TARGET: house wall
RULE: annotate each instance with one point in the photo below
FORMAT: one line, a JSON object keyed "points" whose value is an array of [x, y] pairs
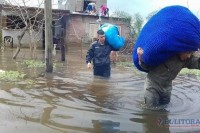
{"points": [[25, 40], [37, 35], [81, 28]]}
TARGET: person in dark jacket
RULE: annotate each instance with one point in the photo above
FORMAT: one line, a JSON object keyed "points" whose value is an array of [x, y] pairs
{"points": [[99, 54], [158, 83]]}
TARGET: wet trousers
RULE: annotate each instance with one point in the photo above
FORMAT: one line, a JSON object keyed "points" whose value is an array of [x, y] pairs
{"points": [[152, 98], [103, 71], [156, 94]]}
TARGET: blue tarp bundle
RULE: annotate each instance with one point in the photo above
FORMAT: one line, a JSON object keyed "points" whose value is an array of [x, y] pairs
{"points": [[172, 30], [112, 35]]}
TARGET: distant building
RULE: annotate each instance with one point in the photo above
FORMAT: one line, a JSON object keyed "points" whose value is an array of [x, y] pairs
{"points": [[72, 27], [78, 5]]}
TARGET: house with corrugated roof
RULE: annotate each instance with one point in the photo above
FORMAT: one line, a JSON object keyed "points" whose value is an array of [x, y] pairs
{"points": [[71, 25]]}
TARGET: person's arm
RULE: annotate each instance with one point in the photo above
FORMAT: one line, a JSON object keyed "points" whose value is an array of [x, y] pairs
{"points": [[193, 63], [89, 56]]}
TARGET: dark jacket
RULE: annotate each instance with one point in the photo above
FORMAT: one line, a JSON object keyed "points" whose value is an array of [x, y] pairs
{"points": [[160, 77], [99, 54]]}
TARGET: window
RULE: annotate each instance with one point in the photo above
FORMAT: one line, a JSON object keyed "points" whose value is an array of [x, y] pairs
{"points": [[15, 22], [86, 2]]}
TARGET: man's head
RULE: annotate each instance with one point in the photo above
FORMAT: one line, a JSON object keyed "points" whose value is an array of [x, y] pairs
{"points": [[101, 36], [185, 55]]}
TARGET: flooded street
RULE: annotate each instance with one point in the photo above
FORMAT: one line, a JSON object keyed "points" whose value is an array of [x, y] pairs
{"points": [[71, 100]]}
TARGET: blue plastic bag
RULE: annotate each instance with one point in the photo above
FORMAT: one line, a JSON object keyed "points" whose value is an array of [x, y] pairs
{"points": [[112, 35]]}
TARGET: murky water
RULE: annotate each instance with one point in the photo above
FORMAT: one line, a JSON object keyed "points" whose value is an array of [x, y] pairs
{"points": [[71, 100]]}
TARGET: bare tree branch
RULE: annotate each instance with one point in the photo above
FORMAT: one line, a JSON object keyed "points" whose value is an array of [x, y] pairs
{"points": [[25, 18]]}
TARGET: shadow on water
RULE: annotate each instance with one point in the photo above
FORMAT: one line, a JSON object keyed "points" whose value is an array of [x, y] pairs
{"points": [[72, 100]]}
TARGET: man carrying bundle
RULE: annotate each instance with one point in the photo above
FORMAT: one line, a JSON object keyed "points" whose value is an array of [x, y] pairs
{"points": [[158, 83], [99, 53], [166, 45]]}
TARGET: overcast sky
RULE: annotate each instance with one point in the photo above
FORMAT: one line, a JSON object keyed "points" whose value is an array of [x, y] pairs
{"points": [[144, 7]]}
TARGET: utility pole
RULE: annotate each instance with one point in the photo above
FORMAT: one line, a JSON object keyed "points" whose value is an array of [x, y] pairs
{"points": [[48, 36]]}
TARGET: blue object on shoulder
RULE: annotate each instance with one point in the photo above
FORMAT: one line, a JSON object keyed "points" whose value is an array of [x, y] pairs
{"points": [[112, 35], [172, 30]]}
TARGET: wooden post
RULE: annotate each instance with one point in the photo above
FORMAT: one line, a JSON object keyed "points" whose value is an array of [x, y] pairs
{"points": [[62, 49], [48, 36]]}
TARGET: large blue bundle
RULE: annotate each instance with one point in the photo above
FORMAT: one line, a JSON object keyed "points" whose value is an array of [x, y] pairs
{"points": [[112, 35], [172, 30]]}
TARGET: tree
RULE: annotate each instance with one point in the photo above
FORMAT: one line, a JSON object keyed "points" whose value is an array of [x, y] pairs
{"points": [[137, 24], [126, 19], [26, 20], [134, 23]]}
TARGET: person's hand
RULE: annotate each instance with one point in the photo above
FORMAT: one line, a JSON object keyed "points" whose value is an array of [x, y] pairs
{"points": [[140, 53], [89, 65]]}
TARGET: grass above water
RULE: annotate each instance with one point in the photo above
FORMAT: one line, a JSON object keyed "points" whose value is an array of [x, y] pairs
{"points": [[11, 75], [184, 71], [16, 76]]}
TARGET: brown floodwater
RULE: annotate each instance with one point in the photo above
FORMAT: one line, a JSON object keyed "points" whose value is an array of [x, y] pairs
{"points": [[71, 100]]}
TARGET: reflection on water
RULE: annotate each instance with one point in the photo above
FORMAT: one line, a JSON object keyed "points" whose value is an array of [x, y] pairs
{"points": [[72, 100]]}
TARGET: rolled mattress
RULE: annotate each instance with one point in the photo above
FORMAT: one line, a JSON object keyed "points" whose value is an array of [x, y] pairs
{"points": [[172, 30]]}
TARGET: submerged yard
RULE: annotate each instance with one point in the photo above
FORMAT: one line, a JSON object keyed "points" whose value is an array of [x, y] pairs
{"points": [[71, 100]]}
